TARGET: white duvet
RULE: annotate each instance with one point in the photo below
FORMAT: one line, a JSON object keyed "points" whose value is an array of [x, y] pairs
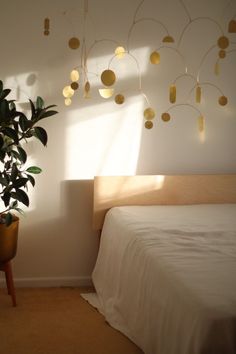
{"points": [[166, 277]]}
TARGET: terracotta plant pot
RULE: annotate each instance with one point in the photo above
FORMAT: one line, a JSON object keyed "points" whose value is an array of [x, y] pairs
{"points": [[8, 240]]}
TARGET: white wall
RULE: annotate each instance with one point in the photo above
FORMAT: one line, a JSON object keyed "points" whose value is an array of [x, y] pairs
{"points": [[93, 137]]}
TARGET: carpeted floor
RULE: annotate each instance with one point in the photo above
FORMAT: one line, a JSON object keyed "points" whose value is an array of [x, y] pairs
{"points": [[56, 320]]}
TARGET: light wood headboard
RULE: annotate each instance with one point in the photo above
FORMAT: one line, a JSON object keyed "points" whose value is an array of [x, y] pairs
{"points": [[160, 190]]}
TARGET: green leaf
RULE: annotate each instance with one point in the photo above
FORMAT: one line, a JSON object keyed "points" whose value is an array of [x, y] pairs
{"points": [[3, 181], [22, 153], [21, 196], [8, 219], [20, 182], [31, 179], [34, 169], [41, 134], [24, 122], [14, 172], [46, 114], [4, 93], [15, 154], [32, 108], [39, 103], [12, 134], [6, 198], [4, 109], [1, 142], [51, 106]]}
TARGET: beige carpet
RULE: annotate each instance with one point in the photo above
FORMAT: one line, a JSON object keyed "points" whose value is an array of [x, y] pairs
{"points": [[57, 320]]}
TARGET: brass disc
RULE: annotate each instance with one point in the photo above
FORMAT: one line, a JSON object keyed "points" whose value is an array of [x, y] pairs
{"points": [[223, 100], [87, 86], [74, 75], [232, 26], [108, 77], [165, 117], [172, 93], [106, 92], [74, 43], [223, 42], [120, 52], [149, 113], [148, 124], [168, 39], [68, 101], [155, 58], [222, 54], [68, 92], [119, 99], [74, 85], [46, 32]]}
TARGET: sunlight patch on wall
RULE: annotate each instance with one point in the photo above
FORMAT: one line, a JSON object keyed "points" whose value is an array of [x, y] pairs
{"points": [[99, 143]]}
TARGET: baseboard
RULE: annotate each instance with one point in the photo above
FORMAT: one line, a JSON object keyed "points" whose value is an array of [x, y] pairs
{"points": [[49, 282]]}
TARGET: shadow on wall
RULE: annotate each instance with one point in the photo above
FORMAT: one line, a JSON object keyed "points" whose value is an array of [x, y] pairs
{"points": [[60, 250]]}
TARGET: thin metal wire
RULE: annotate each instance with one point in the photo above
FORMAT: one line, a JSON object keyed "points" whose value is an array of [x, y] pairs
{"points": [[186, 75], [197, 19], [141, 20], [203, 59], [186, 10], [183, 104]]}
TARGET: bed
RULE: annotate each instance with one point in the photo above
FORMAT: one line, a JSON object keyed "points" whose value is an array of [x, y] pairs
{"points": [[166, 268]]}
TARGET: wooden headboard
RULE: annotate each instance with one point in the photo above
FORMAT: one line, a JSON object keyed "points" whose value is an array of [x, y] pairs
{"points": [[160, 190]]}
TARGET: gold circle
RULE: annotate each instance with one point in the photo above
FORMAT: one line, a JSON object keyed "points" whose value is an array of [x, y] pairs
{"points": [[119, 99], [74, 85], [68, 92], [168, 39], [155, 58], [223, 42], [149, 113], [120, 52], [148, 124], [106, 92], [108, 77], [222, 54], [68, 101], [46, 32], [74, 75], [232, 26], [165, 117], [74, 43], [223, 100]]}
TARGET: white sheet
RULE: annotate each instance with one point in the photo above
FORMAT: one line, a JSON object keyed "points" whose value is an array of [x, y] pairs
{"points": [[165, 277]]}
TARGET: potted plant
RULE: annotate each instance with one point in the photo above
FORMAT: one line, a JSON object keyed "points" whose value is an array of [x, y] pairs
{"points": [[15, 176]]}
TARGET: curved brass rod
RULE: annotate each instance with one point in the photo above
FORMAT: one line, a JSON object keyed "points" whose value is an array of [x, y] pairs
{"points": [[182, 75], [205, 84], [137, 9], [137, 65], [186, 10], [140, 20], [184, 104], [197, 19], [96, 41], [177, 51], [203, 59]]}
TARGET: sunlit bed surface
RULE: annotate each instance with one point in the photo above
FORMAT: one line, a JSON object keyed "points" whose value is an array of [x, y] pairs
{"points": [[166, 277]]}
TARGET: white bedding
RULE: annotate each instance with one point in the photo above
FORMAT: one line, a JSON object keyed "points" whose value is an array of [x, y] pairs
{"points": [[165, 276]]}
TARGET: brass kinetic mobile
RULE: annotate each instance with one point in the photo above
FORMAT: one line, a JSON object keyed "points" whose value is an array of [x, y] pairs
{"points": [[79, 76]]}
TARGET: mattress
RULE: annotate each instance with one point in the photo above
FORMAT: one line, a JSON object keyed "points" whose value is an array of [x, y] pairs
{"points": [[165, 277]]}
